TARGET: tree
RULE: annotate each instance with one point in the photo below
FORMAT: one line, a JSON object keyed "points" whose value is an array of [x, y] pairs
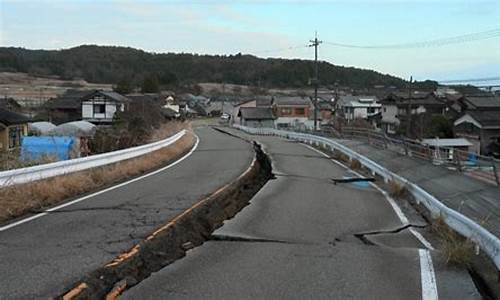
{"points": [[124, 86], [150, 84], [439, 126]]}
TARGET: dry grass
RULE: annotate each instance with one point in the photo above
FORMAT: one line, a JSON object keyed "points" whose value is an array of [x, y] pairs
{"points": [[397, 190], [456, 249], [168, 129], [21, 199], [355, 165], [12, 160], [337, 155]]}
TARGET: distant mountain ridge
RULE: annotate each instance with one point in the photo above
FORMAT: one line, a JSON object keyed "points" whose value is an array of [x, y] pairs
{"points": [[110, 64]]}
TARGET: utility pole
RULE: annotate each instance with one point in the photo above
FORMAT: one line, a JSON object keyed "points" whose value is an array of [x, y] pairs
{"points": [[315, 43], [408, 126]]}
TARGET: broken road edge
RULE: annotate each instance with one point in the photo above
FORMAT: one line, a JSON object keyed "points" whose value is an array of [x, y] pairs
{"points": [[171, 241]]}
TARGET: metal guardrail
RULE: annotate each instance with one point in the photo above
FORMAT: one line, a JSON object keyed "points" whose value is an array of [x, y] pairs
{"points": [[488, 242], [30, 174]]}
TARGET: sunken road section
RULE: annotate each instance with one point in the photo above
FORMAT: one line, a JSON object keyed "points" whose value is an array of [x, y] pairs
{"points": [[171, 241]]}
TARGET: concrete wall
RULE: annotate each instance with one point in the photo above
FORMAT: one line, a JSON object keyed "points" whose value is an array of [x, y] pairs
{"points": [[258, 123]]}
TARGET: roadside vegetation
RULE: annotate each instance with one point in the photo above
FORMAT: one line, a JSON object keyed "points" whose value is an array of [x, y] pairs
{"points": [[456, 249], [397, 190], [18, 200], [11, 160]]}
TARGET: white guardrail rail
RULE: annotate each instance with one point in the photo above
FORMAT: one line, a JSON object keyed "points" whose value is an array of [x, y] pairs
{"points": [[30, 174], [488, 242]]}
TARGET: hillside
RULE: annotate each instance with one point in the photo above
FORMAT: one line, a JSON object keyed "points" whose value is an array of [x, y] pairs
{"points": [[106, 64]]}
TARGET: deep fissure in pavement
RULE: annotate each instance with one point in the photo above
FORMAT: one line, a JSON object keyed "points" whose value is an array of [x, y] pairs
{"points": [[363, 236], [171, 242], [230, 238]]}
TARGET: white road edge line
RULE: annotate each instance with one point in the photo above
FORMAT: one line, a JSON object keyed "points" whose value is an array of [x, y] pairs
{"points": [[39, 215], [429, 287], [427, 275], [389, 199]]}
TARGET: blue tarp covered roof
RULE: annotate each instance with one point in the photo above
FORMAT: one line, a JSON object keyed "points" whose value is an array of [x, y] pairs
{"points": [[35, 147]]}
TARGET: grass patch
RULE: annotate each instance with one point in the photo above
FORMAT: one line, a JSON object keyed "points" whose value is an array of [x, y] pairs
{"points": [[355, 164], [397, 190], [18, 200], [456, 249], [339, 156]]}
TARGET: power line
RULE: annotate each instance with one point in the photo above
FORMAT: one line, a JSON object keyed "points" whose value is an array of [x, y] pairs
{"points": [[280, 49], [459, 39]]}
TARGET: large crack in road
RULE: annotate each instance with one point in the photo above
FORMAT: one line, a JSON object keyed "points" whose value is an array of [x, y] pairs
{"points": [[170, 242]]}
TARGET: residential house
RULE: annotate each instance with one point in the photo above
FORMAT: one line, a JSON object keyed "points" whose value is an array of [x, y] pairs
{"points": [[256, 117], [325, 110], [358, 107], [13, 127], [395, 108], [482, 128], [99, 107], [480, 103], [235, 116], [67, 107], [293, 112]]}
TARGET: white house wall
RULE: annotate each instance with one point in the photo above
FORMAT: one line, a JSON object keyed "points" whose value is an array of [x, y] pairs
{"points": [[389, 113], [87, 110], [109, 112]]}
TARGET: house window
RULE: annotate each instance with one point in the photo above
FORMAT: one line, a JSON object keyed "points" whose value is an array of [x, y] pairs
{"points": [[99, 108], [371, 110], [15, 134], [286, 111], [300, 111]]}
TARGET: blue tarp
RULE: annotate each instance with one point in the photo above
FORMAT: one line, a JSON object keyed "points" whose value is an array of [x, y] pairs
{"points": [[35, 147]]}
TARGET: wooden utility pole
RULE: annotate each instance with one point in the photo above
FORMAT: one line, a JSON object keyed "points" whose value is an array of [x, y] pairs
{"points": [[408, 125], [315, 43]]}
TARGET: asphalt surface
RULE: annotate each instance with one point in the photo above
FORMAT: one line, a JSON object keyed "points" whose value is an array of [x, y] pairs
{"points": [[474, 198], [298, 239], [41, 258]]}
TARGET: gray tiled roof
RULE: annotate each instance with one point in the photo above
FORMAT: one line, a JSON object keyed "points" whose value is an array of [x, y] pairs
{"points": [[12, 118], [483, 101], [256, 113], [486, 118], [292, 101]]}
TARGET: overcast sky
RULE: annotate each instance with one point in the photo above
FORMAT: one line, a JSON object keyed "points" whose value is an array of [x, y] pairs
{"points": [[267, 28]]}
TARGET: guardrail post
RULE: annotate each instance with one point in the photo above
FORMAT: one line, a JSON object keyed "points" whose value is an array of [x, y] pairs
{"points": [[429, 153], [457, 161], [495, 172]]}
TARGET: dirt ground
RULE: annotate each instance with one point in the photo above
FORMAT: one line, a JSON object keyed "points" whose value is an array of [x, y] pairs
{"points": [[34, 91]]}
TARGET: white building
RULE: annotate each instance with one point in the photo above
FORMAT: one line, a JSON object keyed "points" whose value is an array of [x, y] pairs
{"points": [[358, 107], [100, 107]]}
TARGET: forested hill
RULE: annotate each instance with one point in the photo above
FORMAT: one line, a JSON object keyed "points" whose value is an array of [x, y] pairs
{"points": [[105, 64]]}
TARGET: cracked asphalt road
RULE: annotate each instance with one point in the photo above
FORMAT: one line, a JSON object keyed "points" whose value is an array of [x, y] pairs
{"points": [[297, 240], [41, 258]]}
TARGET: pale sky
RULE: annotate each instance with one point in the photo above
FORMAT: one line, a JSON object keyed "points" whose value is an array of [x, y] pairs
{"points": [[268, 28]]}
